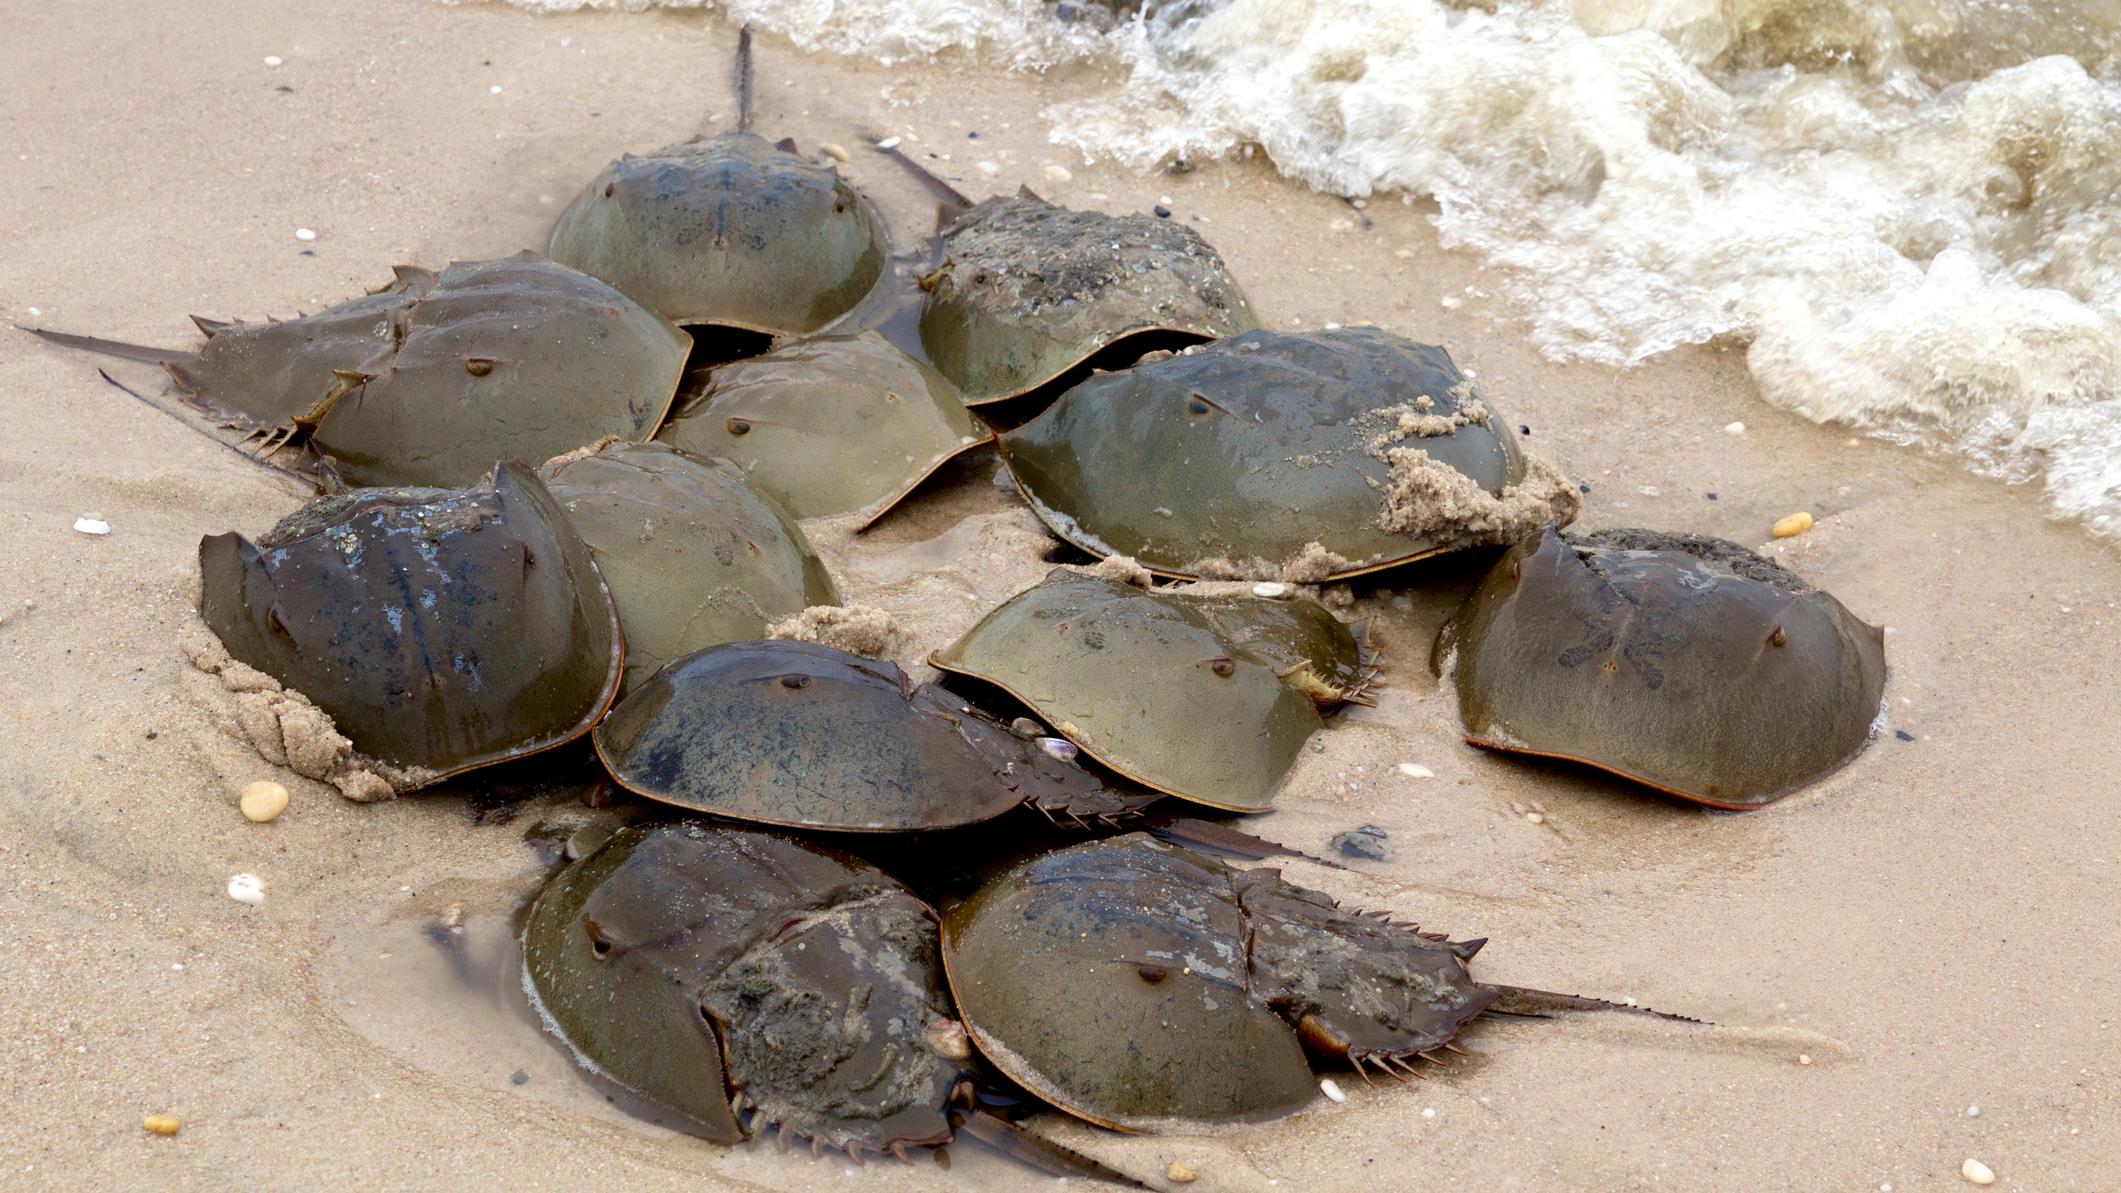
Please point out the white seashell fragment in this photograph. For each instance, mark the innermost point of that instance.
(1269, 589)
(1734, 428)
(1415, 770)
(87, 525)
(247, 888)
(1976, 1172)
(1331, 1090)
(889, 143)
(305, 234)
(1059, 747)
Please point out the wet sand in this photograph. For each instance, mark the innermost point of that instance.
(1931, 928)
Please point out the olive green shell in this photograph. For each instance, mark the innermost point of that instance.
(1028, 291)
(829, 424)
(1144, 987)
(1683, 662)
(693, 555)
(432, 379)
(802, 735)
(1264, 457)
(685, 962)
(442, 631)
(1153, 684)
(730, 230)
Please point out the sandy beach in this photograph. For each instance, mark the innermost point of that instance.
(1908, 965)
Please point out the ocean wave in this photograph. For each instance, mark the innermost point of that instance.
(1910, 210)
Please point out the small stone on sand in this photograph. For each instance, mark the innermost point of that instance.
(889, 143)
(832, 151)
(1792, 526)
(1804, 1058)
(247, 888)
(1058, 174)
(1269, 589)
(263, 801)
(91, 525)
(164, 1124)
(273, 60)
(1734, 428)
(1976, 1172)
(1326, 1086)
(1179, 1174)
(1415, 770)
(305, 234)
(1536, 817)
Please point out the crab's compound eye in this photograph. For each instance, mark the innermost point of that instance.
(478, 366)
(1196, 405)
(1223, 667)
(738, 426)
(610, 188)
(598, 944)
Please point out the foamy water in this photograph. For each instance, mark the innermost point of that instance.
(1910, 210)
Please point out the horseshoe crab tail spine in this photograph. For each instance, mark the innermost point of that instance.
(117, 348)
(1525, 1002)
(743, 78)
(1039, 1151)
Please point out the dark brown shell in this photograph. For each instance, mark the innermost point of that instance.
(1687, 663)
(827, 425)
(1266, 456)
(1028, 291)
(441, 630)
(435, 377)
(1171, 690)
(801, 735)
(693, 555)
(1144, 987)
(729, 230)
(692, 963)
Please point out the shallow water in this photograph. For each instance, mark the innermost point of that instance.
(1910, 210)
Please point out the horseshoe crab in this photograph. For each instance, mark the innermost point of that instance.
(1144, 987)
(693, 556)
(829, 424)
(442, 630)
(1208, 699)
(716, 971)
(1267, 456)
(729, 230)
(805, 736)
(1028, 292)
(1683, 662)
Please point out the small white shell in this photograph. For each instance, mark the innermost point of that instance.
(305, 234)
(1327, 1086)
(91, 526)
(1269, 589)
(1059, 747)
(1415, 770)
(1976, 1172)
(247, 888)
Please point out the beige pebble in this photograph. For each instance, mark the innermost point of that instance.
(1804, 1058)
(1536, 817)
(1792, 526)
(1179, 1174)
(1058, 174)
(1976, 1172)
(164, 1124)
(263, 800)
(832, 151)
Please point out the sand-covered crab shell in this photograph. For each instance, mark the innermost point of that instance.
(442, 630)
(1206, 698)
(1144, 987)
(431, 379)
(1680, 661)
(804, 736)
(710, 969)
(730, 230)
(1028, 292)
(829, 424)
(1269, 456)
(693, 555)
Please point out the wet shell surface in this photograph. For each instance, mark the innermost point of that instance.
(1145, 987)
(1299, 458)
(695, 965)
(1199, 698)
(441, 630)
(436, 376)
(693, 555)
(730, 230)
(832, 424)
(1684, 662)
(1029, 291)
(805, 736)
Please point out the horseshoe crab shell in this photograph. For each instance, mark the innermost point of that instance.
(694, 557)
(433, 378)
(829, 424)
(703, 967)
(795, 734)
(1144, 987)
(1155, 684)
(1683, 662)
(442, 630)
(730, 230)
(1267, 456)
(1029, 291)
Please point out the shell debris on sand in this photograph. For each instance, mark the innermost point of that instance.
(832, 151)
(1415, 770)
(1976, 1172)
(1792, 526)
(1331, 1089)
(92, 524)
(247, 888)
(1180, 1174)
(166, 1124)
(263, 801)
